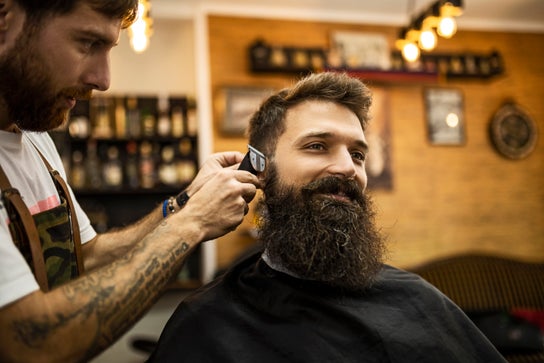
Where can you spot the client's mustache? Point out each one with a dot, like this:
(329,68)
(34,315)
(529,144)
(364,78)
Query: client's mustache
(333,185)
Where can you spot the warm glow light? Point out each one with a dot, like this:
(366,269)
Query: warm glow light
(427,40)
(447,27)
(410,52)
(452,120)
(139,42)
(422,31)
(140,31)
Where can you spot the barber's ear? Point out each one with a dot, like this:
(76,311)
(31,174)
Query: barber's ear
(7,14)
(4,8)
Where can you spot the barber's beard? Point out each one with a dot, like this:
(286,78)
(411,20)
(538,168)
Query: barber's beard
(320,238)
(27,90)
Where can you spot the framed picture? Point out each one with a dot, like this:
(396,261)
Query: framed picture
(445,116)
(240,104)
(360,50)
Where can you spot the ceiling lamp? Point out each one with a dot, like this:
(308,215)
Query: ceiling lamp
(140,31)
(439,19)
(447,27)
(407,44)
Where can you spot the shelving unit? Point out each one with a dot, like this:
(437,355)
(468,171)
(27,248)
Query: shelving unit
(121,165)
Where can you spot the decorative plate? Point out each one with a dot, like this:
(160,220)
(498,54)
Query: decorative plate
(513,133)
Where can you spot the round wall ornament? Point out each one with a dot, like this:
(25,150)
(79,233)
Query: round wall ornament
(513,132)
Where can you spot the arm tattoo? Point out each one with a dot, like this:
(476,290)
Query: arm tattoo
(114,308)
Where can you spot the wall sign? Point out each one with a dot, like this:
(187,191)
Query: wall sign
(240,104)
(445,117)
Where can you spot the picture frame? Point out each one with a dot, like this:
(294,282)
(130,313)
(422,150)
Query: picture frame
(240,104)
(359,50)
(444,108)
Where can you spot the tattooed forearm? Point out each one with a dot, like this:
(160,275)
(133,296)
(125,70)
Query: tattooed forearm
(104,304)
(33,332)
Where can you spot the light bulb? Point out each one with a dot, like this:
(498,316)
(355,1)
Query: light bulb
(410,52)
(447,27)
(139,42)
(427,40)
(452,120)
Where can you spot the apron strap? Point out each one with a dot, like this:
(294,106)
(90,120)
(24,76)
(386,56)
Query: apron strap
(73,217)
(23,214)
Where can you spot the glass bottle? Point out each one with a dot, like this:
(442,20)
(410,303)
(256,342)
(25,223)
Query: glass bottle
(112,169)
(131,166)
(167,169)
(147,166)
(164,124)
(77,171)
(92,167)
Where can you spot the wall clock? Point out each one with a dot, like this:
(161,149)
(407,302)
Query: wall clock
(513,133)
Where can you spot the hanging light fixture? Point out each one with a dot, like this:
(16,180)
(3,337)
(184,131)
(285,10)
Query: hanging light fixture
(447,27)
(407,44)
(439,19)
(426,35)
(140,31)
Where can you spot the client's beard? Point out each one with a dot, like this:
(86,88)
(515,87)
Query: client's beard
(320,238)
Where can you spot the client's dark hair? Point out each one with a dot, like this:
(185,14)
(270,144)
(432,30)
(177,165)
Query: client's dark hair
(267,124)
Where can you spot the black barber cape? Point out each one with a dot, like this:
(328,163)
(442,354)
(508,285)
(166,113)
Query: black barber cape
(254,314)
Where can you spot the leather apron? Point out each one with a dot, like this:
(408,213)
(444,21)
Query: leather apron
(49,241)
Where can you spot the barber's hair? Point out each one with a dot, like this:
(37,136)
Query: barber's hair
(38,10)
(268,123)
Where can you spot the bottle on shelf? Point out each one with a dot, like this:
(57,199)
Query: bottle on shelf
(102,126)
(133,118)
(92,167)
(148,115)
(177,122)
(77,171)
(120,118)
(131,166)
(112,169)
(167,169)
(164,124)
(79,123)
(185,165)
(147,166)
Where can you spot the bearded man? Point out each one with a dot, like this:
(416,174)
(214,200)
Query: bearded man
(319,291)
(66,291)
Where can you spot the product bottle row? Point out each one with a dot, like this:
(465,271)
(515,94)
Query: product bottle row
(133,117)
(144,165)
(130,143)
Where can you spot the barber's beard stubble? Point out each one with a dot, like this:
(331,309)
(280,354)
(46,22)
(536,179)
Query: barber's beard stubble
(27,88)
(321,238)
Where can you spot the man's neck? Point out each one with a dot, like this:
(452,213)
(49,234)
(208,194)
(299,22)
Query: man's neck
(277,266)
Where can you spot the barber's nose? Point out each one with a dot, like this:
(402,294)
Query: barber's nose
(343,165)
(97,74)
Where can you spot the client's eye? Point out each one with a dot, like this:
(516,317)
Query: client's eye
(316,146)
(358,155)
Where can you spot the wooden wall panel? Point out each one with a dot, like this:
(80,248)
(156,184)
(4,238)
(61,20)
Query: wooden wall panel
(446,199)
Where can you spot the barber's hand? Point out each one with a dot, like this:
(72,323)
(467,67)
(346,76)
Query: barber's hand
(219,196)
(212,165)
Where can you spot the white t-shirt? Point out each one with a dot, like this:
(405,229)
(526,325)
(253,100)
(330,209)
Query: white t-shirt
(28,174)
